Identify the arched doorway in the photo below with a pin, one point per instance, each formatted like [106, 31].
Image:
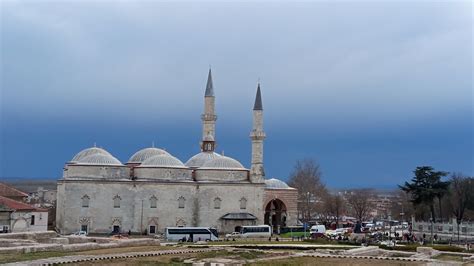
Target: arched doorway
[275, 215]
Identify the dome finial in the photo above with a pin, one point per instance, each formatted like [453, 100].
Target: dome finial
[95, 144]
[153, 144]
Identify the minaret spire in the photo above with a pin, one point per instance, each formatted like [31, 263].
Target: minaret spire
[257, 172]
[209, 86]
[209, 117]
[258, 99]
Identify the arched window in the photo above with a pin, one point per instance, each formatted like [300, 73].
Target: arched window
[243, 203]
[85, 201]
[117, 200]
[181, 201]
[217, 203]
[153, 201]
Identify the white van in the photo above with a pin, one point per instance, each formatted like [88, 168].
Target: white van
[317, 230]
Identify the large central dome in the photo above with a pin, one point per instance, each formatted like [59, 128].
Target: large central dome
[163, 160]
[223, 162]
[201, 158]
[142, 155]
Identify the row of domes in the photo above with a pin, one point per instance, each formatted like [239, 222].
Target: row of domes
[154, 157]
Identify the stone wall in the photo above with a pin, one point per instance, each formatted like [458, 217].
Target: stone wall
[135, 212]
[170, 174]
[222, 175]
[92, 171]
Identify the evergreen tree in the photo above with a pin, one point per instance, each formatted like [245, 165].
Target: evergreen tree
[425, 186]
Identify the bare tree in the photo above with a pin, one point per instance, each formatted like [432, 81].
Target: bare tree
[334, 207]
[359, 201]
[306, 177]
[461, 194]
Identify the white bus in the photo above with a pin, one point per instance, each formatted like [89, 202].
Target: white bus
[191, 234]
[256, 231]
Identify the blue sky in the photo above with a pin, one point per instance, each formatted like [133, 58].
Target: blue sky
[368, 89]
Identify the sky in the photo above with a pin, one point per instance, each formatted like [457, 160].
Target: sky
[369, 90]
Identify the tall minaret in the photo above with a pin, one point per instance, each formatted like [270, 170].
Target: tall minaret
[257, 135]
[208, 117]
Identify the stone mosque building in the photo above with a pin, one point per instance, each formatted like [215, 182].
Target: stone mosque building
[155, 190]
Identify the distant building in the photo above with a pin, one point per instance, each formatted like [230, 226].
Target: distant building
[155, 190]
[18, 216]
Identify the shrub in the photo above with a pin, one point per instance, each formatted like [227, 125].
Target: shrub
[448, 248]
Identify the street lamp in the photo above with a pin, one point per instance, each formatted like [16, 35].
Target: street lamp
[431, 227]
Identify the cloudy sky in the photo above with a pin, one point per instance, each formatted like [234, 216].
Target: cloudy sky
[368, 89]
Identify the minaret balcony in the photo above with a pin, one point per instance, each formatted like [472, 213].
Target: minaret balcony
[257, 134]
[208, 117]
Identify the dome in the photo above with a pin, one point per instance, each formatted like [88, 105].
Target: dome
[141, 155]
[201, 158]
[99, 159]
[87, 152]
[223, 162]
[163, 160]
[275, 183]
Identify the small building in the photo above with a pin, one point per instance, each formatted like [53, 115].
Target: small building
[280, 204]
[23, 217]
[5, 214]
[12, 193]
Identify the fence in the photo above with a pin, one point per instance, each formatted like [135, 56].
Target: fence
[450, 228]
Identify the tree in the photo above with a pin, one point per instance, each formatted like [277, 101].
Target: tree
[461, 194]
[425, 186]
[306, 177]
[360, 203]
[334, 207]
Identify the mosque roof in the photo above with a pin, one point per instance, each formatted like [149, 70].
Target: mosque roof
[143, 154]
[223, 162]
[201, 158]
[99, 159]
[163, 160]
[89, 151]
[274, 183]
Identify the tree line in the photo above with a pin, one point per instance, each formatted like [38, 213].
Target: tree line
[429, 195]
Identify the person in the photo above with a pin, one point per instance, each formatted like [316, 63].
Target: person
[129, 232]
[270, 239]
[435, 237]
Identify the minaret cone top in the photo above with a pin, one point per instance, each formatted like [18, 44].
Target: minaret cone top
[209, 86]
[258, 100]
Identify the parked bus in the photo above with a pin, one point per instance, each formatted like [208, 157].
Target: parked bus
[256, 231]
[191, 234]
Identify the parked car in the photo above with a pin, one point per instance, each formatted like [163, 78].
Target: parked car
[79, 233]
[233, 235]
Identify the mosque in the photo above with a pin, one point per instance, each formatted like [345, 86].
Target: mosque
[155, 190]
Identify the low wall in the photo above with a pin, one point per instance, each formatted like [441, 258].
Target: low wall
[80, 246]
[37, 236]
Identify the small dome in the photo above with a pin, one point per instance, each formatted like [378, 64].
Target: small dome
[99, 159]
[163, 160]
[223, 162]
[201, 158]
[141, 155]
[275, 183]
[87, 152]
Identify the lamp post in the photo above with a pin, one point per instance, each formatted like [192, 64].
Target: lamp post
[431, 231]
